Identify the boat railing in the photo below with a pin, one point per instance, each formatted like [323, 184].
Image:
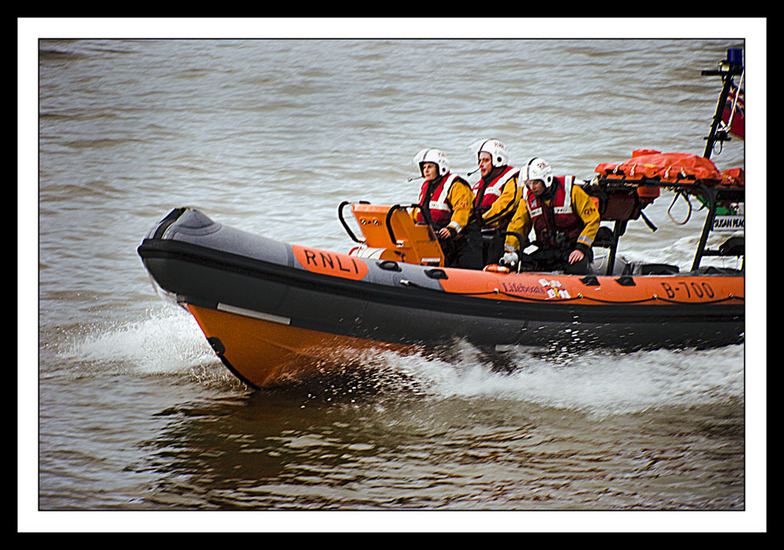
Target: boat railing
[345, 225]
[711, 193]
[391, 231]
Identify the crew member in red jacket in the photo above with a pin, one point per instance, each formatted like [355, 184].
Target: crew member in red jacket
[564, 219]
[448, 203]
[496, 196]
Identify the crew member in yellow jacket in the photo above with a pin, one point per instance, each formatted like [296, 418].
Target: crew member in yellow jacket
[564, 219]
[496, 196]
[446, 202]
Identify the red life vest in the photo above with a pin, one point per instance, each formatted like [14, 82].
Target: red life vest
[555, 225]
[440, 210]
[487, 193]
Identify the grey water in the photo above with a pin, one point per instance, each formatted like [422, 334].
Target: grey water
[135, 413]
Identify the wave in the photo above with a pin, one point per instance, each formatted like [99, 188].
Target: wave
[167, 341]
[598, 382]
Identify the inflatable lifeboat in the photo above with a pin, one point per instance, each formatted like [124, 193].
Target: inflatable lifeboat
[274, 311]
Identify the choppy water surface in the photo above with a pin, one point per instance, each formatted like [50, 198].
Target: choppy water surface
[136, 413]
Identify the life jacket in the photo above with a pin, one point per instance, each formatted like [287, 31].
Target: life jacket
[436, 203]
[487, 193]
[555, 225]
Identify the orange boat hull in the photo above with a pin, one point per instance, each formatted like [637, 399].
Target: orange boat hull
[264, 353]
[275, 312]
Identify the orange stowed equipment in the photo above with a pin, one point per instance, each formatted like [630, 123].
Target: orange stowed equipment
[733, 177]
[648, 170]
[664, 167]
[391, 234]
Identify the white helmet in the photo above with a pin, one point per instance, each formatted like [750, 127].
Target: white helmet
[499, 154]
[435, 156]
[538, 169]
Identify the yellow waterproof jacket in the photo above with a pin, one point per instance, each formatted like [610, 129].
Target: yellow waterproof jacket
[460, 199]
[582, 205]
[504, 202]
[509, 201]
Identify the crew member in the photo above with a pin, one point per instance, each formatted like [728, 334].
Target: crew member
[448, 203]
[496, 196]
[564, 219]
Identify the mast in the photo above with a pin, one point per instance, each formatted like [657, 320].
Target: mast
[728, 68]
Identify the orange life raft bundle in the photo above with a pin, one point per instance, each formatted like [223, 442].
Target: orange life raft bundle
[647, 164]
